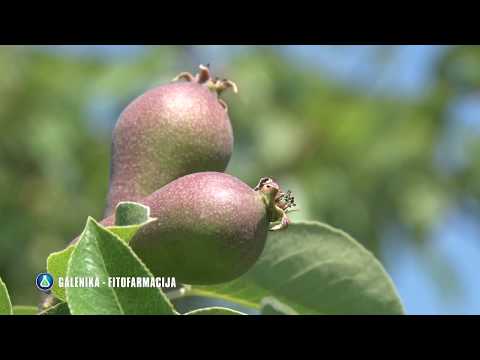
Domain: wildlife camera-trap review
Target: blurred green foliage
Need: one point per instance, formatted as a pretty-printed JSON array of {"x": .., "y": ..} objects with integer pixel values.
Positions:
[{"x": 357, "y": 161}]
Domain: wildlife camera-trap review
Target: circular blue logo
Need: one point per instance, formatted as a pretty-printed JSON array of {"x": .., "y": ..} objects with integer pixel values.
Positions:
[{"x": 44, "y": 281}]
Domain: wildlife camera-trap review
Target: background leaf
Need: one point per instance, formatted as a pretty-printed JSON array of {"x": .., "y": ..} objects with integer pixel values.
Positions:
[
  {"x": 57, "y": 309},
  {"x": 315, "y": 269},
  {"x": 214, "y": 310},
  {"x": 5, "y": 304},
  {"x": 25, "y": 310},
  {"x": 100, "y": 253}
]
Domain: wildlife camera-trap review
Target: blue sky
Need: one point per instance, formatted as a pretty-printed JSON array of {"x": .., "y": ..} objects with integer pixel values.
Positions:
[{"x": 408, "y": 75}]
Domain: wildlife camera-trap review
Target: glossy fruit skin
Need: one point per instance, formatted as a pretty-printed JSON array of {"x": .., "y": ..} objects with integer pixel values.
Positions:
[
  {"x": 211, "y": 228},
  {"x": 169, "y": 131}
]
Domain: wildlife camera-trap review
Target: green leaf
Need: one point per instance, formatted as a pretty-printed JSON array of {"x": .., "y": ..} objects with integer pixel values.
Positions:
[
  {"x": 57, "y": 263},
  {"x": 125, "y": 233},
  {"x": 129, "y": 218},
  {"x": 242, "y": 291},
  {"x": 25, "y": 310},
  {"x": 131, "y": 213},
  {"x": 315, "y": 269},
  {"x": 57, "y": 309},
  {"x": 215, "y": 310},
  {"x": 101, "y": 254},
  {"x": 5, "y": 303},
  {"x": 271, "y": 306}
]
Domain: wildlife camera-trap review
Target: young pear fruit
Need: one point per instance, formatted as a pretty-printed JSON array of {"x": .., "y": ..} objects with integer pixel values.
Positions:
[{"x": 170, "y": 131}]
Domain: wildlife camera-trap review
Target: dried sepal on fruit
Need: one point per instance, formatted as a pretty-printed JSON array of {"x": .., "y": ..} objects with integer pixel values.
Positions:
[
  {"x": 204, "y": 77},
  {"x": 278, "y": 203}
]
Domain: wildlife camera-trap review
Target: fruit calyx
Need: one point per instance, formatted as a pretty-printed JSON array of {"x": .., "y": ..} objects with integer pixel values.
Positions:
[
  {"x": 204, "y": 77},
  {"x": 277, "y": 202}
]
